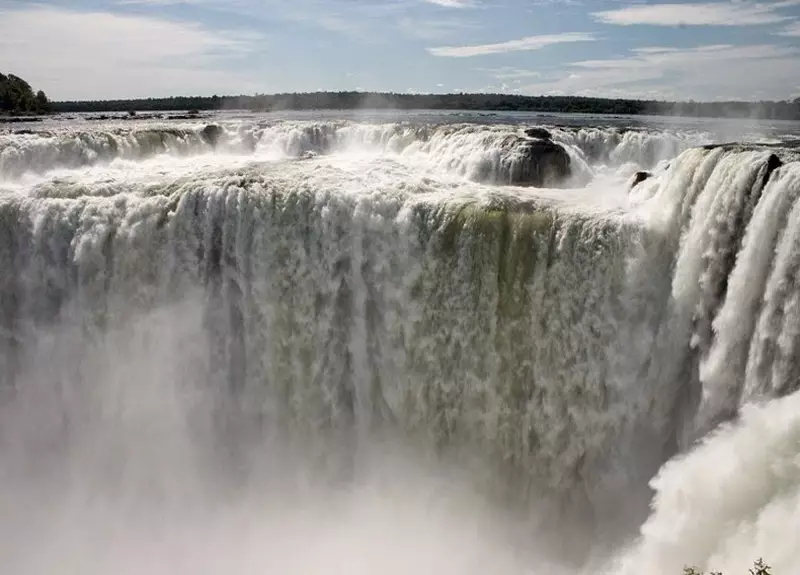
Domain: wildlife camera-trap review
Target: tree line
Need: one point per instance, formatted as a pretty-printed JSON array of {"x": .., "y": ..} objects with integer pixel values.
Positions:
[
  {"x": 18, "y": 98},
  {"x": 784, "y": 110}
]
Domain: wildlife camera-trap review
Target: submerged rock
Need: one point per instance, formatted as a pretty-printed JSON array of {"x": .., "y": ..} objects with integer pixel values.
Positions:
[{"x": 540, "y": 133}]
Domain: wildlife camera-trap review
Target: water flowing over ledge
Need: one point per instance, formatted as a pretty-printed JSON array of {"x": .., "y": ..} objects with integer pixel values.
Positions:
[
  {"x": 560, "y": 352},
  {"x": 480, "y": 153}
]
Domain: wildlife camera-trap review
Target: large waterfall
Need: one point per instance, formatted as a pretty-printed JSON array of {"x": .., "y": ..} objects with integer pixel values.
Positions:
[{"x": 358, "y": 347}]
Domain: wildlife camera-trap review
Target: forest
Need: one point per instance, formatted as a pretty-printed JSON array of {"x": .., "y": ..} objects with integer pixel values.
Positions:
[
  {"x": 784, "y": 110},
  {"x": 18, "y": 99}
]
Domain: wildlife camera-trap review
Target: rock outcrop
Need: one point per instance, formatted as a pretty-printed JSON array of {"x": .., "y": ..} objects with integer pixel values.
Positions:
[
  {"x": 211, "y": 134},
  {"x": 638, "y": 178},
  {"x": 539, "y": 133},
  {"x": 531, "y": 162}
]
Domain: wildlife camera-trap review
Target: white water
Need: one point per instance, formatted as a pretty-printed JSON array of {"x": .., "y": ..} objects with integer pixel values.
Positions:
[
  {"x": 222, "y": 359},
  {"x": 459, "y": 149}
]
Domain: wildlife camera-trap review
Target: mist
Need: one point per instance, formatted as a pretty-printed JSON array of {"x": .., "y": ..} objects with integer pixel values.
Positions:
[{"x": 122, "y": 452}]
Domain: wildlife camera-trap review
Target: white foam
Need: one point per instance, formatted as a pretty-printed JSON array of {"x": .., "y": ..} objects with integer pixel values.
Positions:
[{"x": 732, "y": 500}]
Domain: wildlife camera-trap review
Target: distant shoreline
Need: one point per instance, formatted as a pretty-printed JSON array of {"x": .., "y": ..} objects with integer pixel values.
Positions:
[{"x": 785, "y": 110}]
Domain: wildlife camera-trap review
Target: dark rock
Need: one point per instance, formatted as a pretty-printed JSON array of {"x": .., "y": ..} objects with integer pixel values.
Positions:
[
  {"x": 211, "y": 134},
  {"x": 773, "y": 163},
  {"x": 540, "y": 133},
  {"x": 543, "y": 164},
  {"x": 638, "y": 178},
  {"x": 183, "y": 117},
  {"x": 18, "y": 119}
]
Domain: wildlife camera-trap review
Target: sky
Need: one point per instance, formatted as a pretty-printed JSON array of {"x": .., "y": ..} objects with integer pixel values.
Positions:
[{"x": 103, "y": 49}]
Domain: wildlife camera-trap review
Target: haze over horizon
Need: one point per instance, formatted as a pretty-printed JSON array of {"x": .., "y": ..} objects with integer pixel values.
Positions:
[{"x": 104, "y": 49}]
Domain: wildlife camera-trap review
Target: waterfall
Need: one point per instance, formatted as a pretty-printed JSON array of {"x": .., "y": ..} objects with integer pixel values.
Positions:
[{"x": 304, "y": 316}]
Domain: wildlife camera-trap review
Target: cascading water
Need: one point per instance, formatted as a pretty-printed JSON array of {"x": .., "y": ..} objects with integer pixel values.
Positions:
[
  {"x": 463, "y": 149},
  {"x": 313, "y": 346}
]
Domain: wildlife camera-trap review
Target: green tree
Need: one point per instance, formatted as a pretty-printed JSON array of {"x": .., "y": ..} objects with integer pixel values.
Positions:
[
  {"x": 17, "y": 97},
  {"x": 42, "y": 103}
]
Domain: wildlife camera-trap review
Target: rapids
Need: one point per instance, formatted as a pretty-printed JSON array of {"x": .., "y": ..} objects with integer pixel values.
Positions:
[{"x": 341, "y": 345}]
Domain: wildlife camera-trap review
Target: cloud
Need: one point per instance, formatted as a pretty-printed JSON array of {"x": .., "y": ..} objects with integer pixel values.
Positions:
[
  {"x": 697, "y": 14},
  {"x": 89, "y": 55},
  {"x": 712, "y": 72},
  {"x": 431, "y": 29},
  {"x": 528, "y": 43},
  {"x": 501, "y": 88},
  {"x": 355, "y": 19},
  {"x": 664, "y": 57},
  {"x": 451, "y": 3},
  {"x": 510, "y": 73},
  {"x": 792, "y": 30},
  {"x": 163, "y": 2}
]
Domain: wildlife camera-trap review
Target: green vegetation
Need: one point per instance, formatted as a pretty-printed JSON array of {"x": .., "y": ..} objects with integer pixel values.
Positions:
[
  {"x": 785, "y": 110},
  {"x": 759, "y": 568},
  {"x": 17, "y": 97}
]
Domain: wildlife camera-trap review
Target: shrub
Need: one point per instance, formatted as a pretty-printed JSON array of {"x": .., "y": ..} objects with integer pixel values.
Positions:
[{"x": 759, "y": 568}]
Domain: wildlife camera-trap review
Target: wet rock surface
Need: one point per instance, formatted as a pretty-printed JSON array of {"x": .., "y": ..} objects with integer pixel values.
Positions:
[
  {"x": 530, "y": 162},
  {"x": 540, "y": 133},
  {"x": 211, "y": 134},
  {"x": 638, "y": 178}
]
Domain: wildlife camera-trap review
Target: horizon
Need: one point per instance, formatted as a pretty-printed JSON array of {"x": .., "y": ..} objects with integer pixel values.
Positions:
[
  {"x": 417, "y": 94},
  {"x": 676, "y": 51}
]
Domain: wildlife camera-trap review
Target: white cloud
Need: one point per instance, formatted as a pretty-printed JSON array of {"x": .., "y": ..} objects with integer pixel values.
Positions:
[
  {"x": 451, "y": 3},
  {"x": 164, "y": 2},
  {"x": 355, "y": 19},
  {"x": 528, "y": 43},
  {"x": 665, "y": 57},
  {"x": 740, "y": 13},
  {"x": 431, "y": 29},
  {"x": 510, "y": 73},
  {"x": 655, "y": 50},
  {"x": 792, "y": 29},
  {"x": 82, "y": 55},
  {"x": 714, "y": 72}
]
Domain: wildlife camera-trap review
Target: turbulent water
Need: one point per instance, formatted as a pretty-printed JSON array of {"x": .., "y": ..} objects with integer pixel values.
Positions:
[{"x": 432, "y": 345}]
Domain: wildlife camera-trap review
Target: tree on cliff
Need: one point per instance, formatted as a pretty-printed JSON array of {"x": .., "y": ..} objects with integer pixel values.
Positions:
[{"x": 17, "y": 97}]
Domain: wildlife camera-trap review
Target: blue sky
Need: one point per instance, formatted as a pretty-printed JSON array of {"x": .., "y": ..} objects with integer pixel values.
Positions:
[{"x": 91, "y": 49}]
